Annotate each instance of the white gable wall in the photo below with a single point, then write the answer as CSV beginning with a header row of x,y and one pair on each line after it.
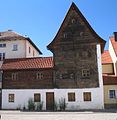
x,y
32,49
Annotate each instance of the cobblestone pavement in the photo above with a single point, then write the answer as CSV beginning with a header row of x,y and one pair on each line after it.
x,y
17,115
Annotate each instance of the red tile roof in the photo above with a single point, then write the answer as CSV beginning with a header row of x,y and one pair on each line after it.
x,y
109,80
27,63
106,58
114,44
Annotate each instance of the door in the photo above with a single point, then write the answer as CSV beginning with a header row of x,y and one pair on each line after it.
x,y
49,101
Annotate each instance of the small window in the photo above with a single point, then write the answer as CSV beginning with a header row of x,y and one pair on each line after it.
x,y
87,96
112,94
73,21
37,97
65,35
14,76
15,47
71,97
2,45
39,76
29,50
33,53
85,73
11,97
2,56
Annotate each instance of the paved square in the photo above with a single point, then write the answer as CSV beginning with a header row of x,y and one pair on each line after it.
x,y
17,115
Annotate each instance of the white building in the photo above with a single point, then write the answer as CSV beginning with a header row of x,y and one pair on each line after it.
x,y
13,45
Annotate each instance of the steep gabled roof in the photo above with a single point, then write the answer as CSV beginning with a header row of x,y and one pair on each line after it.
x,y
10,35
106,58
114,44
74,7
27,63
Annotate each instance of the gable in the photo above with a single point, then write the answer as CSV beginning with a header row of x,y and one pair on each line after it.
x,y
75,26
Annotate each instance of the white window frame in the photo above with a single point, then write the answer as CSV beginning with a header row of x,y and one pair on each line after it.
x,y
15,47
112,95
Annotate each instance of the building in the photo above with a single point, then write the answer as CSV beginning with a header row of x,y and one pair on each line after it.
x,y
109,67
13,45
73,75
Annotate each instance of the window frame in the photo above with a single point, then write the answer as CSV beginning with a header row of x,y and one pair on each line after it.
x,y
29,49
112,95
2,45
14,76
87,96
85,73
37,97
11,97
2,56
71,97
39,75
15,47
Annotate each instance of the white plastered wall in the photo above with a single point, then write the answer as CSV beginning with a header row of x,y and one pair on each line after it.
x,y
8,50
28,55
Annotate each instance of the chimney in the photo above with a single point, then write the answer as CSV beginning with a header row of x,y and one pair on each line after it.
x,y
115,36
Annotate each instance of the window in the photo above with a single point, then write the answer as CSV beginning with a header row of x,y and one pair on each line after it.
x,y
85,73
39,76
11,97
73,21
87,96
65,35
29,50
37,97
2,56
71,97
15,47
2,45
14,76
33,53
112,94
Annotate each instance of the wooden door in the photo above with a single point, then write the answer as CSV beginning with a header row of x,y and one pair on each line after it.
x,y
49,101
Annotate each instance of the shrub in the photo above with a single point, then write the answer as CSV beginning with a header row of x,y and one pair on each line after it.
x,y
62,104
39,106
55,106
31,104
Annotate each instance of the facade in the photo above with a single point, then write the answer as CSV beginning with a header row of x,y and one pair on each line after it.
x,y
109,67
73,75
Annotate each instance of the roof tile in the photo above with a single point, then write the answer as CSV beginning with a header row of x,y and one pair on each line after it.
x,y
27,63
106,58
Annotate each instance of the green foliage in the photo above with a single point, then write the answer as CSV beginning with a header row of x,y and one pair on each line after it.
x,y
55,106
31,104
39,106
62,104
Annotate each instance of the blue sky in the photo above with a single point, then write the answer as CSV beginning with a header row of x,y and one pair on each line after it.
x,y
41,19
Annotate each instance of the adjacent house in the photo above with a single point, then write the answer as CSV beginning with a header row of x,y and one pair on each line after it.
x,y
73,75
109,67
13,45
